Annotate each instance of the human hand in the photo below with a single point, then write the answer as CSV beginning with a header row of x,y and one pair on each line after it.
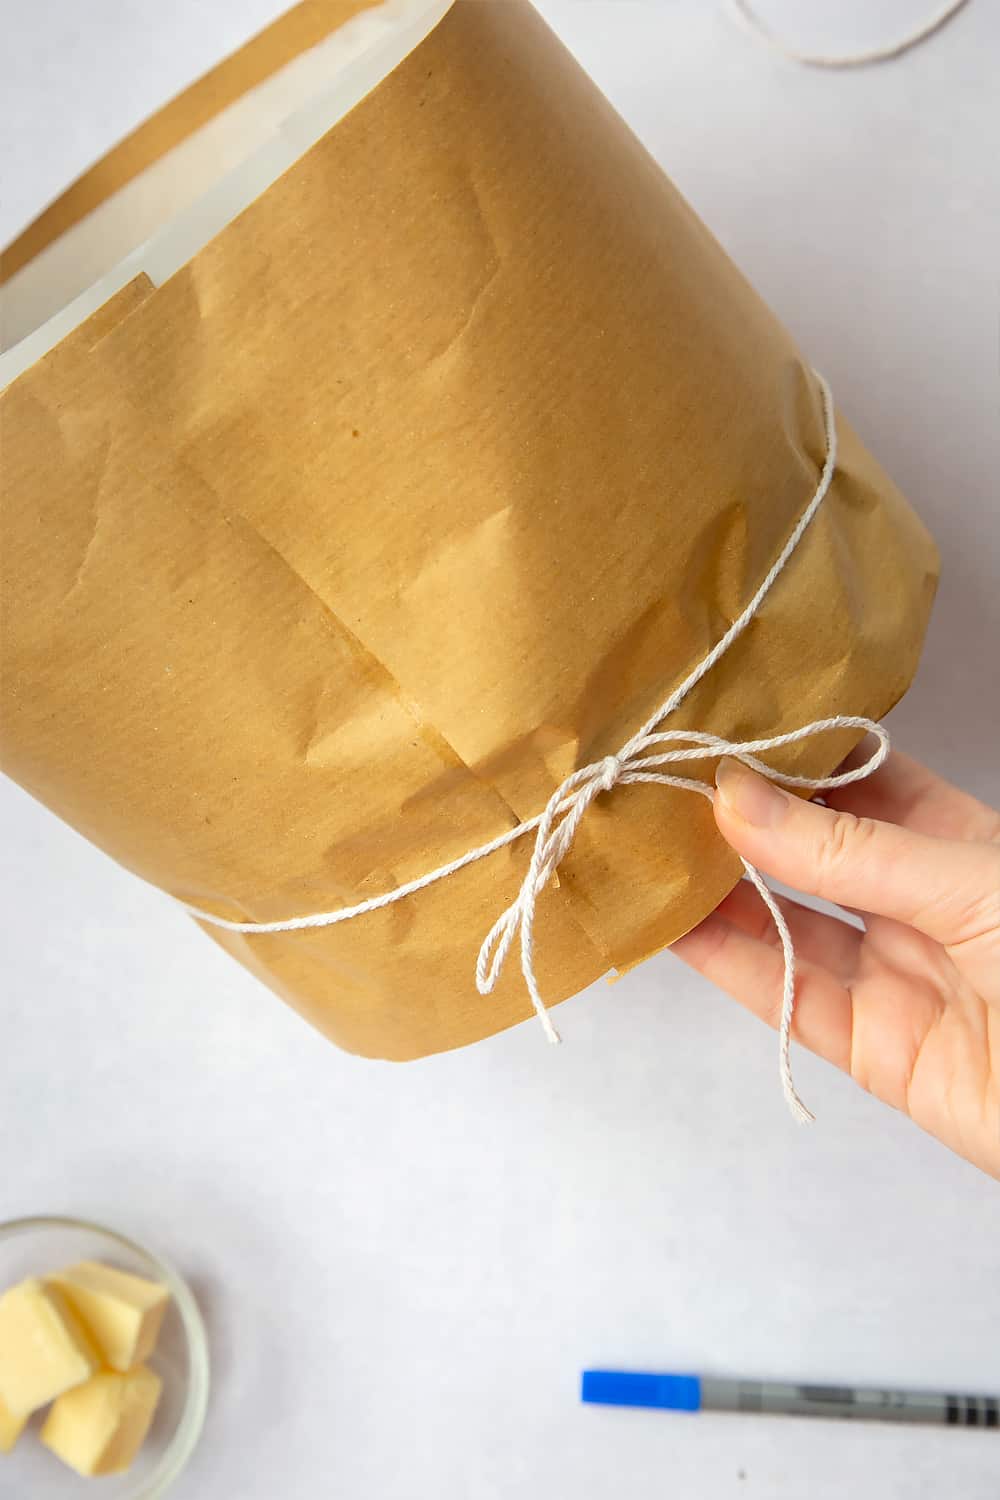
x,y
910,1004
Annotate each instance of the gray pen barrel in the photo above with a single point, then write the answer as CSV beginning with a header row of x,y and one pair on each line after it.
x,y
848,1402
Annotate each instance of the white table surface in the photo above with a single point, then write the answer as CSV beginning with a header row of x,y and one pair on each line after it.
x,y
405,1268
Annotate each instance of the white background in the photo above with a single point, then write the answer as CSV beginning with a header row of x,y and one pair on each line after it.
x,y
405,1268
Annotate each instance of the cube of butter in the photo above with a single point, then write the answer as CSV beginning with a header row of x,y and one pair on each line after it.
x,y
43,1349
11,1428
121,1313
99,1427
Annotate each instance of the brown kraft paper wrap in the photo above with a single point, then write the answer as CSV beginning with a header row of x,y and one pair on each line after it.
x,y
418,487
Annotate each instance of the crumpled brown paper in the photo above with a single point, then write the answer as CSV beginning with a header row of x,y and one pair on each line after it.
x,y
421,485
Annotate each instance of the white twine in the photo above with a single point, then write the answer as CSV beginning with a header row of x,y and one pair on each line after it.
x,y
641,760
562,818
744,11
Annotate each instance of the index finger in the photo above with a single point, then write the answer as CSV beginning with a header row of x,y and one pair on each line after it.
x,y
910,795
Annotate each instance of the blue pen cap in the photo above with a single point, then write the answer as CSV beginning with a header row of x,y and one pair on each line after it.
x,y
623,1388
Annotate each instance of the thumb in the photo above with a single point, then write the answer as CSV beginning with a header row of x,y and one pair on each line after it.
x,y
946,889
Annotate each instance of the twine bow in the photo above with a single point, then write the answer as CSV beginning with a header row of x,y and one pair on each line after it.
x,y
643,760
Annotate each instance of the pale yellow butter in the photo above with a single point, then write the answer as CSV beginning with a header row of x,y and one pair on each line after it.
x,y
11,1428
121,1313
43,1349
99,1427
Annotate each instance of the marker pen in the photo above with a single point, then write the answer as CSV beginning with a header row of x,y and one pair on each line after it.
x,y
693,1393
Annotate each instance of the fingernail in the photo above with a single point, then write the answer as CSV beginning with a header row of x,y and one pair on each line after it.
x,y
751,797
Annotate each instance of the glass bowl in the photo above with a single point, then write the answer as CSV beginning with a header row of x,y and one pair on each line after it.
x,y
39,1247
